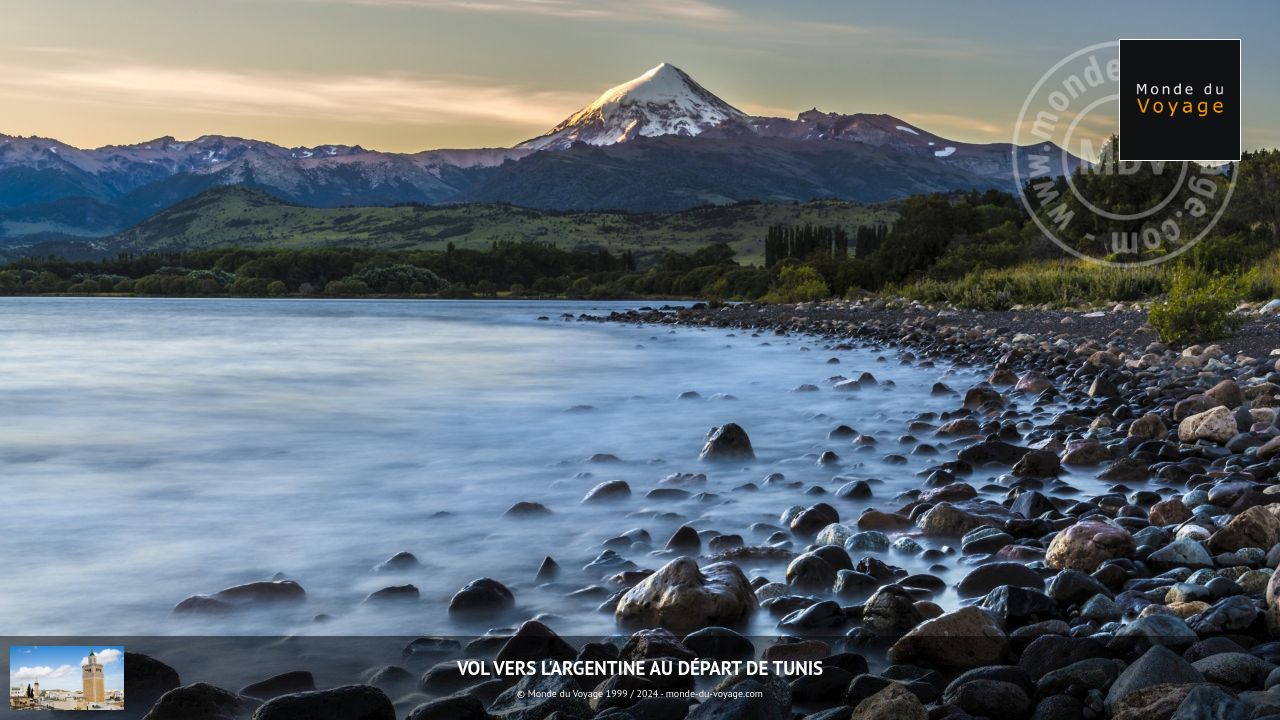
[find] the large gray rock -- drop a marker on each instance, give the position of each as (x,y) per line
(1157,666)
(682,597)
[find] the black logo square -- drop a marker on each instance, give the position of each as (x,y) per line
(1180,100)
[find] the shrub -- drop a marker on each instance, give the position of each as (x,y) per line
(346,287)
(398,277)
(798,283)
(276,288)
(1197,308)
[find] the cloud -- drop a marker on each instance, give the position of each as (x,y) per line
(391,97)
(40,672)
(105,657)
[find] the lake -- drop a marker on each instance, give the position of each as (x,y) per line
(154,449)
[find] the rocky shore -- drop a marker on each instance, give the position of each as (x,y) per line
(1152,598)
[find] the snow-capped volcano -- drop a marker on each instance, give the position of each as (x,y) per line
(663,101)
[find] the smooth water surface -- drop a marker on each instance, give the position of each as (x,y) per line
(156,449)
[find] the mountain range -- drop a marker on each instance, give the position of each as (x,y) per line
(658,143)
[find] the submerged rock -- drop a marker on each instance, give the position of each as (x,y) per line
(484,596)
(727,442)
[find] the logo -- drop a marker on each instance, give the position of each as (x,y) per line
(1080,193)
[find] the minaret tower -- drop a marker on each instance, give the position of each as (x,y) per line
(93,680)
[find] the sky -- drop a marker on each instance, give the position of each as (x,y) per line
(409,75)
(58,667)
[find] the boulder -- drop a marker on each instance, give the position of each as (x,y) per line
(1157,666)
(1148,427)
(1085,452)
(1181,553)
(1217,425)
(282,684)
(483,596)
(979,395)
(535,641)
(810,520)
(539,696)
(1085,545)
(352,702)
(994,699)
(1226,393)
(1033,383)
(810,573)
(249,595)
(992,451)
(682,597)
(727,442)
(1038,463)
(1157,702)
(890,612)
(985,578)
(947,520)
(1256,527)
(608,491)
(147,678)
(197,702)
(894,702)
(1209,702)
(958,640)
(1169,512)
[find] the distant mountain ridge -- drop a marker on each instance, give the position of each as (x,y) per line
(661,142)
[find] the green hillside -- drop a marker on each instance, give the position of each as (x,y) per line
(242,217)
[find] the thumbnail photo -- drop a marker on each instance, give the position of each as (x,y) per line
(66,677)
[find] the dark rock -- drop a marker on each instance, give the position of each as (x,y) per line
(1236,669)
(539,696)
(484,596)
(719,643)
(352,702)
(535,641)
(400,562)
(458,707)
(727,442)
(197,702)
(1080,677)
(147,678)
(994,699)
(985,578)
(608,491)
(1207,702)
(393,593)
(282,684)
(1157,666)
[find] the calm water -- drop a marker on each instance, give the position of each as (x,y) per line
(155,449)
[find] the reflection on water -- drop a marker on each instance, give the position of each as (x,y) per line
(155,449)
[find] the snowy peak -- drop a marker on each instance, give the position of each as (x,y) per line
(663,101)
